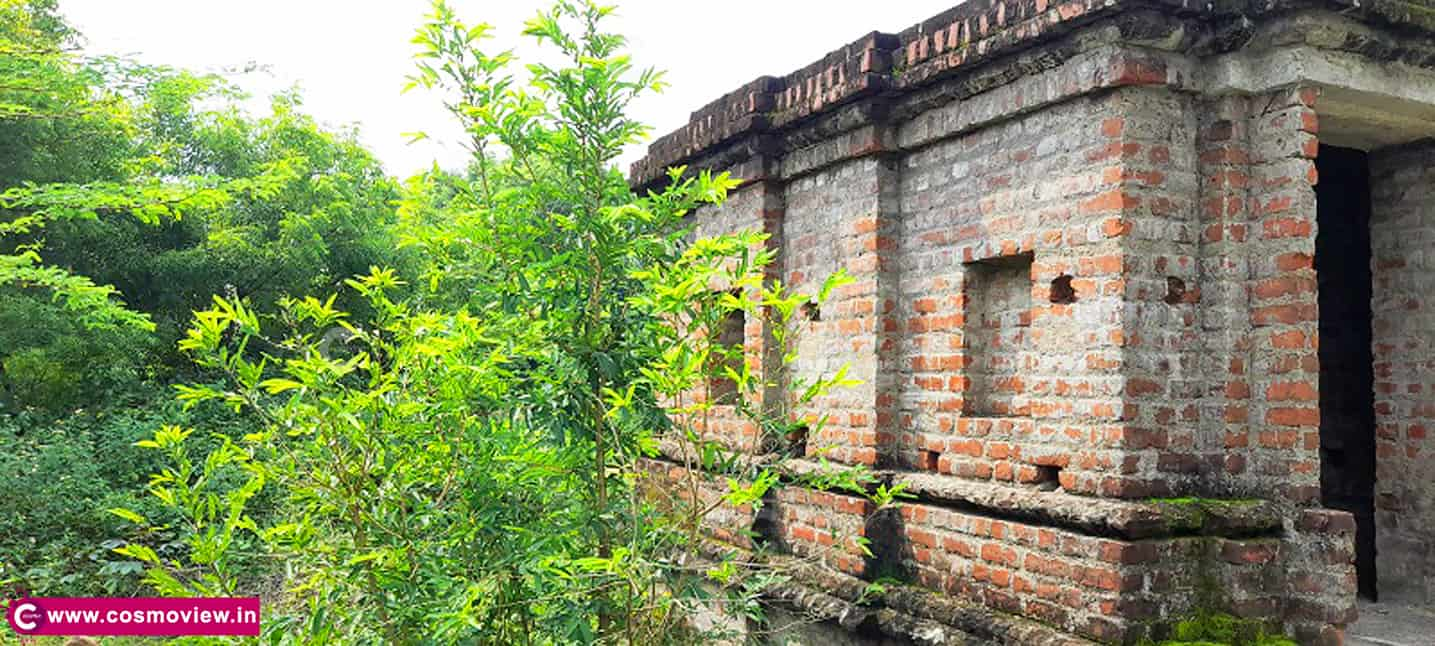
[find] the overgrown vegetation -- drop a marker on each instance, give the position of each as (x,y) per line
(407,412)
(130,194)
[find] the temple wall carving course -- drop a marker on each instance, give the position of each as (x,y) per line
(1099,334)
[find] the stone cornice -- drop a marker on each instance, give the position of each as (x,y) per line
(751,120)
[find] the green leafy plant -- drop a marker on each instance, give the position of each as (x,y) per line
(470,462)
(129,194)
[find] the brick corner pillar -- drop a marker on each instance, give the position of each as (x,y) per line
(843,217)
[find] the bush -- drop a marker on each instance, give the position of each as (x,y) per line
(469,465)
(51,363)
(61,474)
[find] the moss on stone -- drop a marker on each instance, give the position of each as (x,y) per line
(1220,629)
(1418,14)
(1219,503)
(1208,624)
(1192,514)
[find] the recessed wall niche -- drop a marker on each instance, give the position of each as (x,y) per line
(998,319)
(721,389)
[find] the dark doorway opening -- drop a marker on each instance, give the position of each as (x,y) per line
(1347,406)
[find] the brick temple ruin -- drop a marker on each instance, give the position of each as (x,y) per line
(1144,311)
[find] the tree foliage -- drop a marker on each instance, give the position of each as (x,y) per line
(473,465)
(418,412)
(135,192)
(129,196)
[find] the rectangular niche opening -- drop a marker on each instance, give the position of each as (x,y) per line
(730,335)
(998,319)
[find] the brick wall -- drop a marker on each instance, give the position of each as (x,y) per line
(835,220)
(1283,411)
(1113,296)
(1403,323)
(757,206)
(822,526)
(1108,589)
(1259,406)
(1161,441)
(1083,248)
(671,487)
(1318,591)
(989,219)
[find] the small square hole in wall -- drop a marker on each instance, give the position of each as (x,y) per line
(998,319)
(1062,292)
(1175,291)
(795,440)
(1048,478)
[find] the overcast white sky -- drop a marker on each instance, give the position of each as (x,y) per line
(350,57)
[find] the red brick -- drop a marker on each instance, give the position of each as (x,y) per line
(1294,261)
(1287,314)
(1292,340)
(1249,552)
(1284,286)
(1293,391)
(1113,127)
(1275,228)
(1293,416)
(1128,553)
(1114,200)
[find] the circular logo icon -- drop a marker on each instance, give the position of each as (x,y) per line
(24,616)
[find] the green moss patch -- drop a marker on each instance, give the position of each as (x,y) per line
(1215,515)
(1220,629)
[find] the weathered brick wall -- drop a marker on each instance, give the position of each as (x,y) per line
(1085,299)
(1059,577)
(757,206)
(1319,589)
(1284,412)
(1259,404)
(1159,296)
(835,221)
(676,488)
(1108,589)
(823,526)
(1181,363)
(1223,161)
(1153,204)
(1403,308)
(986,391)
(1260,312)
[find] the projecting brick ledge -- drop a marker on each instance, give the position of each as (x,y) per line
(1099,516)
(1107,517)
(968,576)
